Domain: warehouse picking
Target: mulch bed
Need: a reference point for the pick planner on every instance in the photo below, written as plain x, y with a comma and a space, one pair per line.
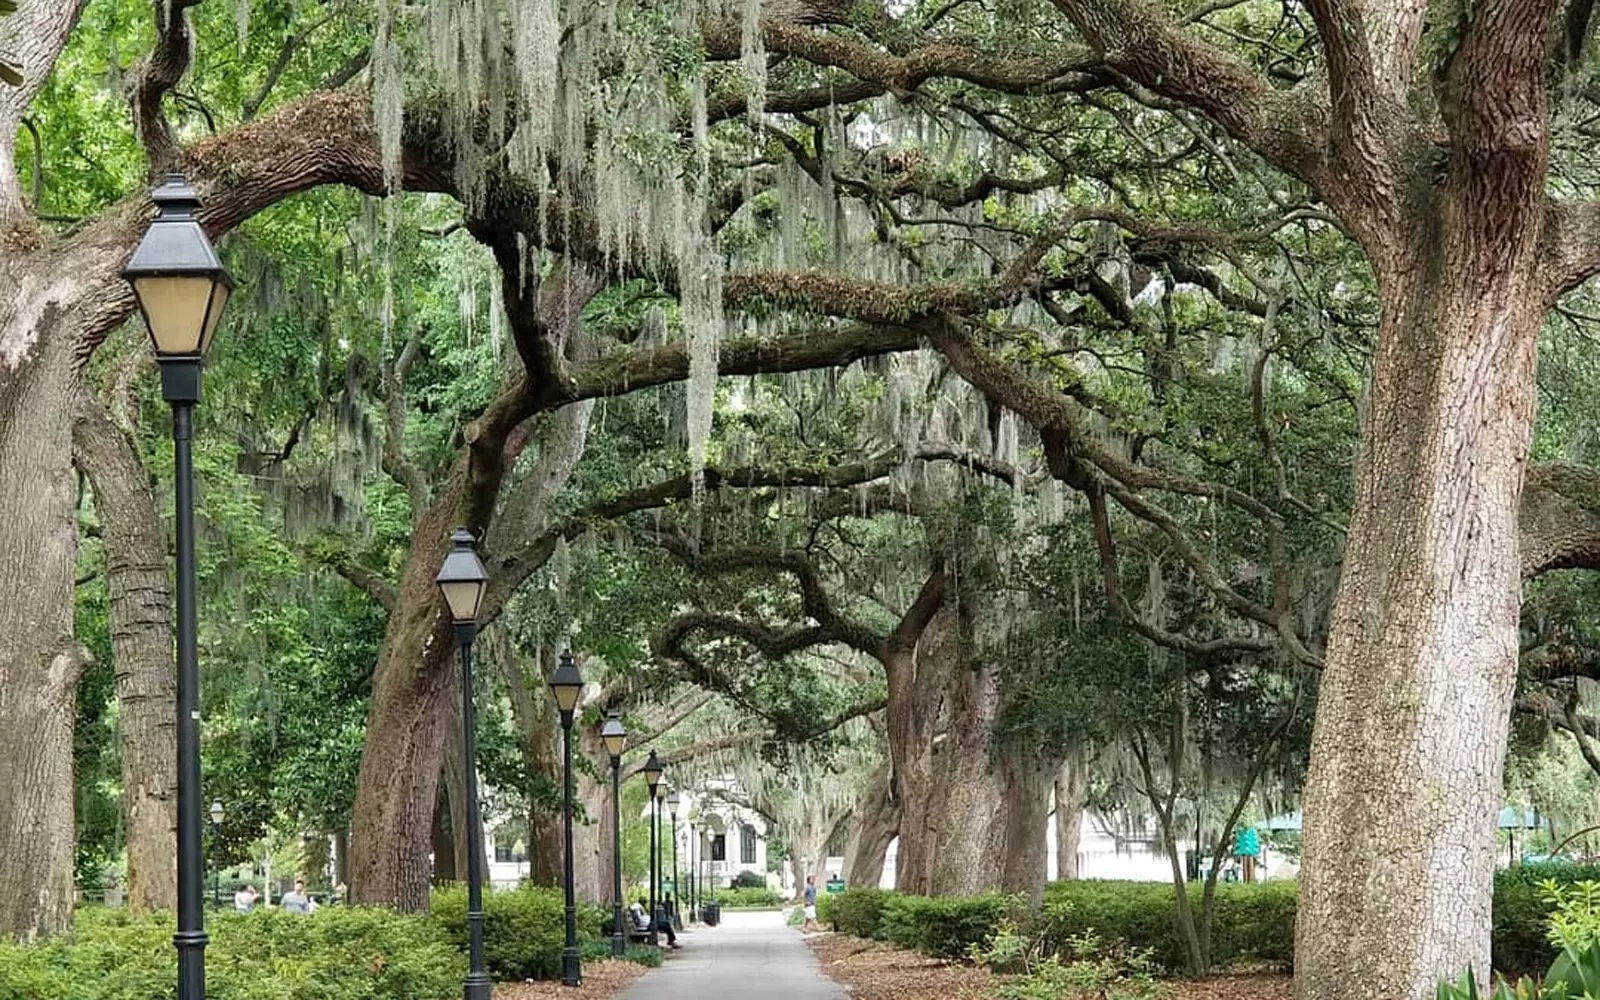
1261, 986
601, 981
871, 970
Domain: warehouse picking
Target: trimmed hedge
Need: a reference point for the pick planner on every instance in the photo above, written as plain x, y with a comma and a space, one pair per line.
853, 911
523, 929
749, 898
943, 926
340, 953
1250, 922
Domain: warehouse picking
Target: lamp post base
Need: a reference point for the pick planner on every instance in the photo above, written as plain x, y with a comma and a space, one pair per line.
478, 986
619, 945
571, 967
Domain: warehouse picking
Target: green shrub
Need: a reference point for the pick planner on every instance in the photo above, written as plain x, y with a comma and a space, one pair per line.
342, 953
745, 898
523, 929
640, 954
854, 911
1091, 969
1522, 908
749, 880
943, 926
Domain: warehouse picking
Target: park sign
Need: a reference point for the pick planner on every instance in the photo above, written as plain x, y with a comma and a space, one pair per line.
1247, 844
835, 885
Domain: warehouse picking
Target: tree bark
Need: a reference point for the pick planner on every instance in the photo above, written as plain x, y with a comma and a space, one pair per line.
875, 822
1405, 777
1071, 786
915, 660
141, 646
40, 661
414, 685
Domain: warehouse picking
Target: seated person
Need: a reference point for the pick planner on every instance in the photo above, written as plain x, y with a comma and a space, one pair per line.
642, 921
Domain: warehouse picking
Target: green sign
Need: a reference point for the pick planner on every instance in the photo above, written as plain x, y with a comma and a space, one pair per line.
835, 885
667, 886
1248, 843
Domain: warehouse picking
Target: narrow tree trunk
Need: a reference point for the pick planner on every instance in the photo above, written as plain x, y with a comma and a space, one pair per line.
1413, 705
341, 857
40, 661
141, 648
875, 823
442, 840
1071, 786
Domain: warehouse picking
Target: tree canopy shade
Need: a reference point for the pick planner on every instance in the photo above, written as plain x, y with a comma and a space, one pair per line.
1239, 303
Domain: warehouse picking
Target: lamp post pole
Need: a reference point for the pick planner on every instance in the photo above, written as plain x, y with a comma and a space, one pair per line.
182, 288
462, 580
694, 883
478, 985
652, 777
673, 801
216, 873
615, 738
567, 686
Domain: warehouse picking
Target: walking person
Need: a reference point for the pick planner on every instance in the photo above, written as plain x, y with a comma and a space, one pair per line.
810, 901
245, 899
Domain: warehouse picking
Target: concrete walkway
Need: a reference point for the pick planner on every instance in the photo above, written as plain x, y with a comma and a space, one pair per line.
749, 955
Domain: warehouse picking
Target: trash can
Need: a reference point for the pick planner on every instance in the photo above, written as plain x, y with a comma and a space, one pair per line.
712, 914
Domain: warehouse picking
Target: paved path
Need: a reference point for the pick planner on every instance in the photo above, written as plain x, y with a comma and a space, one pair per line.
749, 955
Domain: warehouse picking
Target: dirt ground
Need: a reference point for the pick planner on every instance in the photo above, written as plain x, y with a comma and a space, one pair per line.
875, 971
601, 981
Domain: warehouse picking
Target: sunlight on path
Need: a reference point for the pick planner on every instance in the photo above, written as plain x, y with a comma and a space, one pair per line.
751, 956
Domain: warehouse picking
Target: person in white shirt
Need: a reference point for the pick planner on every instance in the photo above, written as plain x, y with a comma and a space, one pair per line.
245, 899
641, 920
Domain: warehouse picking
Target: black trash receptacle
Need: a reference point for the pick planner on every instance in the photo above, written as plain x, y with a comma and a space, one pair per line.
712, 914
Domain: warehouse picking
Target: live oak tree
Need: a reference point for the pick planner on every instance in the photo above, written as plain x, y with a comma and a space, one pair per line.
1006, 190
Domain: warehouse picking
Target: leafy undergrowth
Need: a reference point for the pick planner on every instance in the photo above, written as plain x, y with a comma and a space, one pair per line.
876, 971
601, 981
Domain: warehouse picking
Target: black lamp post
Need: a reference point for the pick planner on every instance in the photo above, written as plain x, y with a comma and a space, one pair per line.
615, 737
462, 580
181, 288
661, 845
652, 777
673, 801
216, 873
694, 879
567, 685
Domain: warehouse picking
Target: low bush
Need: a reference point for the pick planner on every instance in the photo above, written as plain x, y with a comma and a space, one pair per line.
523, 929
943, 926
1250, 922
341, 953
640, 954
853, 911
748, 898
749, 880
1091, 969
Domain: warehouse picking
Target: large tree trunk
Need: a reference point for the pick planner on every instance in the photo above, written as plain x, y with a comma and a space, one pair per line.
1071, 787
591, 839
875, 822
916, 686
413, 688
1412, 713
991, 802
141, 646
40, 661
